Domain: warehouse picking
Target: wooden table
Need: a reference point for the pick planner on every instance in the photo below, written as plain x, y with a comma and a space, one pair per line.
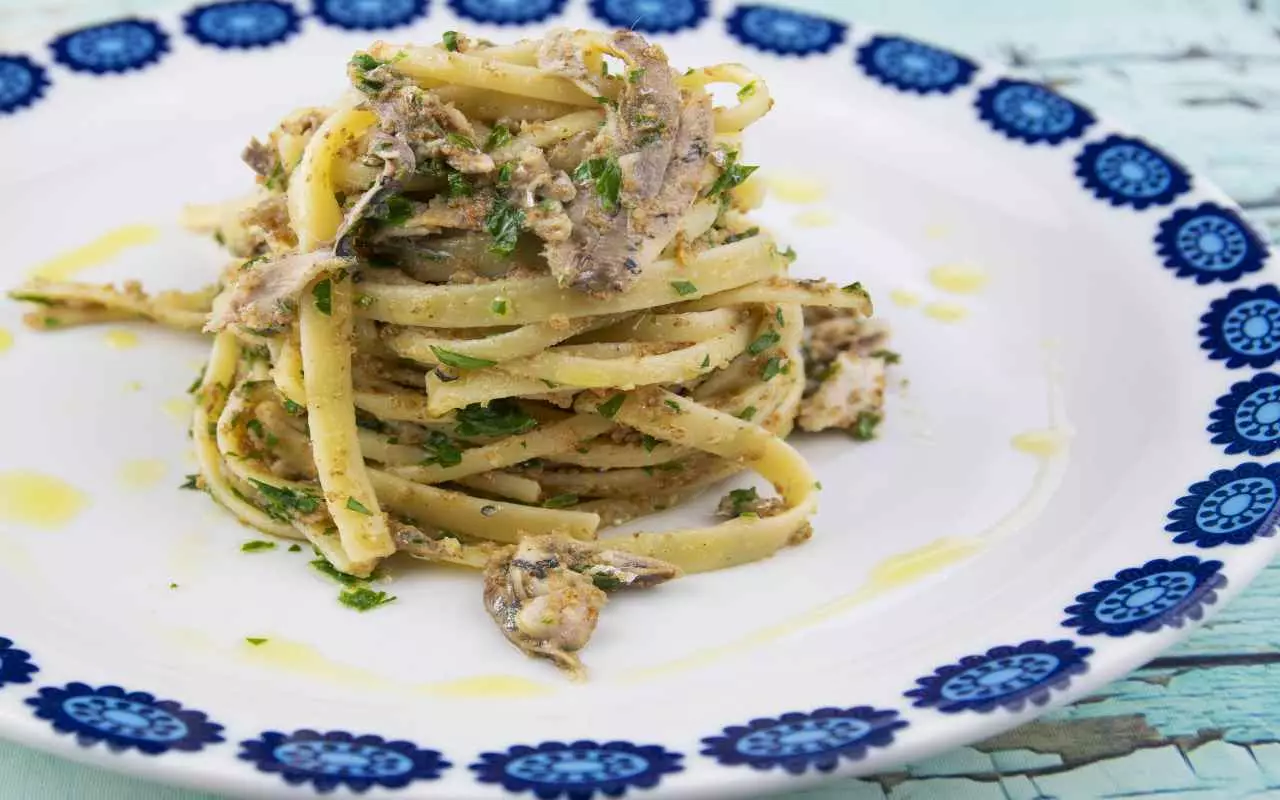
1200, 78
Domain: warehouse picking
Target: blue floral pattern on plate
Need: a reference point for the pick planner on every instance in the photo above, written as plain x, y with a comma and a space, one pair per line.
15, 665
785, 32
507, 12
241, 24
22, 82
652, 16
1007, 677
796, 741
123, 719
1232, 507
577, 770
1247, 419
1209, 243
912, 66
1031, 113
369, 15
1160, 593
113, 47
1126, 171
327, 761
1243, 328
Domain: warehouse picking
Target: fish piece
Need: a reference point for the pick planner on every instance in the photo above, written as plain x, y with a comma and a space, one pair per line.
850, 388
546, 593
263, 295
398, 163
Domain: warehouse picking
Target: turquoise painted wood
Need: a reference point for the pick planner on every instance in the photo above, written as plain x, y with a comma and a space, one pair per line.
1199, 77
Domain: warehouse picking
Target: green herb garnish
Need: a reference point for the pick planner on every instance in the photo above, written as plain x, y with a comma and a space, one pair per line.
763, 342
777, 314
323, 294
503, 223
684, 288
771, 368
504, 173
747, 413
460, 360
442, 449
358, 507
192, 482
737, 237
399, 210
789, 254
499, 418
295, 548
450, 41
364, 300
499, 306
706, 361
364, 599
732, 176
283, 503
889, 356
635, 75
323, 566
499, 136
853, 288
254, 640
743, 500
747, 91
648, 442
459, 186
607, 176
610, 407
672, 404
292, 407
256, 546
561, 501
864, 426
458, 140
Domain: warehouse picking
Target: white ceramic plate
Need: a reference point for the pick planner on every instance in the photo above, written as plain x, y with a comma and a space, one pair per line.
957, 584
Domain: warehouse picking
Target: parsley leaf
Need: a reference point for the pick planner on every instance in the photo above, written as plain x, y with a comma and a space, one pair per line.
684, 288
610, 407
789, 254
732, 176
458, 140
192, 482
606, 173
763, 342
747, 413
460, 360
282, 503
450, 41
459, 186
499, 306
672, 404
737, 237
648, 442
743, 500
561, 501
399, 210
635, 75
771, 368
295, 548
323, 566
255, 641
504, 173
706, 361
504, 223
364, 599
323, 293
499, 418
777, 314
864, 426
442, 449
853, 288
256, 546
747, 91
499, 136
358, 507
292, 407
889, 356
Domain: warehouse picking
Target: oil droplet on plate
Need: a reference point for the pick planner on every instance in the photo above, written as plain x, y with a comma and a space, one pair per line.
40, 501
500, 686
816, 218
104, 248
121, 339
795, 189
936, 231
6, 340
142, 474
1041, 443
305, 659
180, 408
905, 298
958, 278
133, 386
946, 312
913, 565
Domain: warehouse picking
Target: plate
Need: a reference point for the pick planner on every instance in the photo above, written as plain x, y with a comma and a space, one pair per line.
1078, 463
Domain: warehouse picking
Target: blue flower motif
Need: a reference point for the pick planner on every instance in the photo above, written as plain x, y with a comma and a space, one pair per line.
1031, 113
1130, 172
652, 16
785, 32
1159, 593
911, 66
1232, 507
327, 761
1002, 677
797, 741
1247, 419
241, 24
1243, 328
1209, 243
369, 15
22, 82
15, 664
577, 770
124, 719
120, 46
507, 12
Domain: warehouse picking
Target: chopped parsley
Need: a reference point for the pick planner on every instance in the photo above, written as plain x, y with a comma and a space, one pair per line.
743, 501
499, 418
257, 546
503, 223
442, 450
364, 300
684, 288
499, 136
292, 407
364, 599
255, 426
610, 407
276, 179
192, 482
737, 237
763, 342
789, 254
635, 75
323, 566
450, 41
864, 426
747, 91
706, 361
561, 501
365, 62
889, 356
771, 368
672, 404
777, 314
732, 176
605, 583
853, 288
499, 306
460, 360
648, 442
607, 176
458, 140
747, 413
255, 641
504, 173
323, 294
283, 503
358, 507
295, 548
173, 586
399, 210
459, 186
196, 383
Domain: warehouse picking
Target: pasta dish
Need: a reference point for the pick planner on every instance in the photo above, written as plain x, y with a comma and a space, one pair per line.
498, 299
